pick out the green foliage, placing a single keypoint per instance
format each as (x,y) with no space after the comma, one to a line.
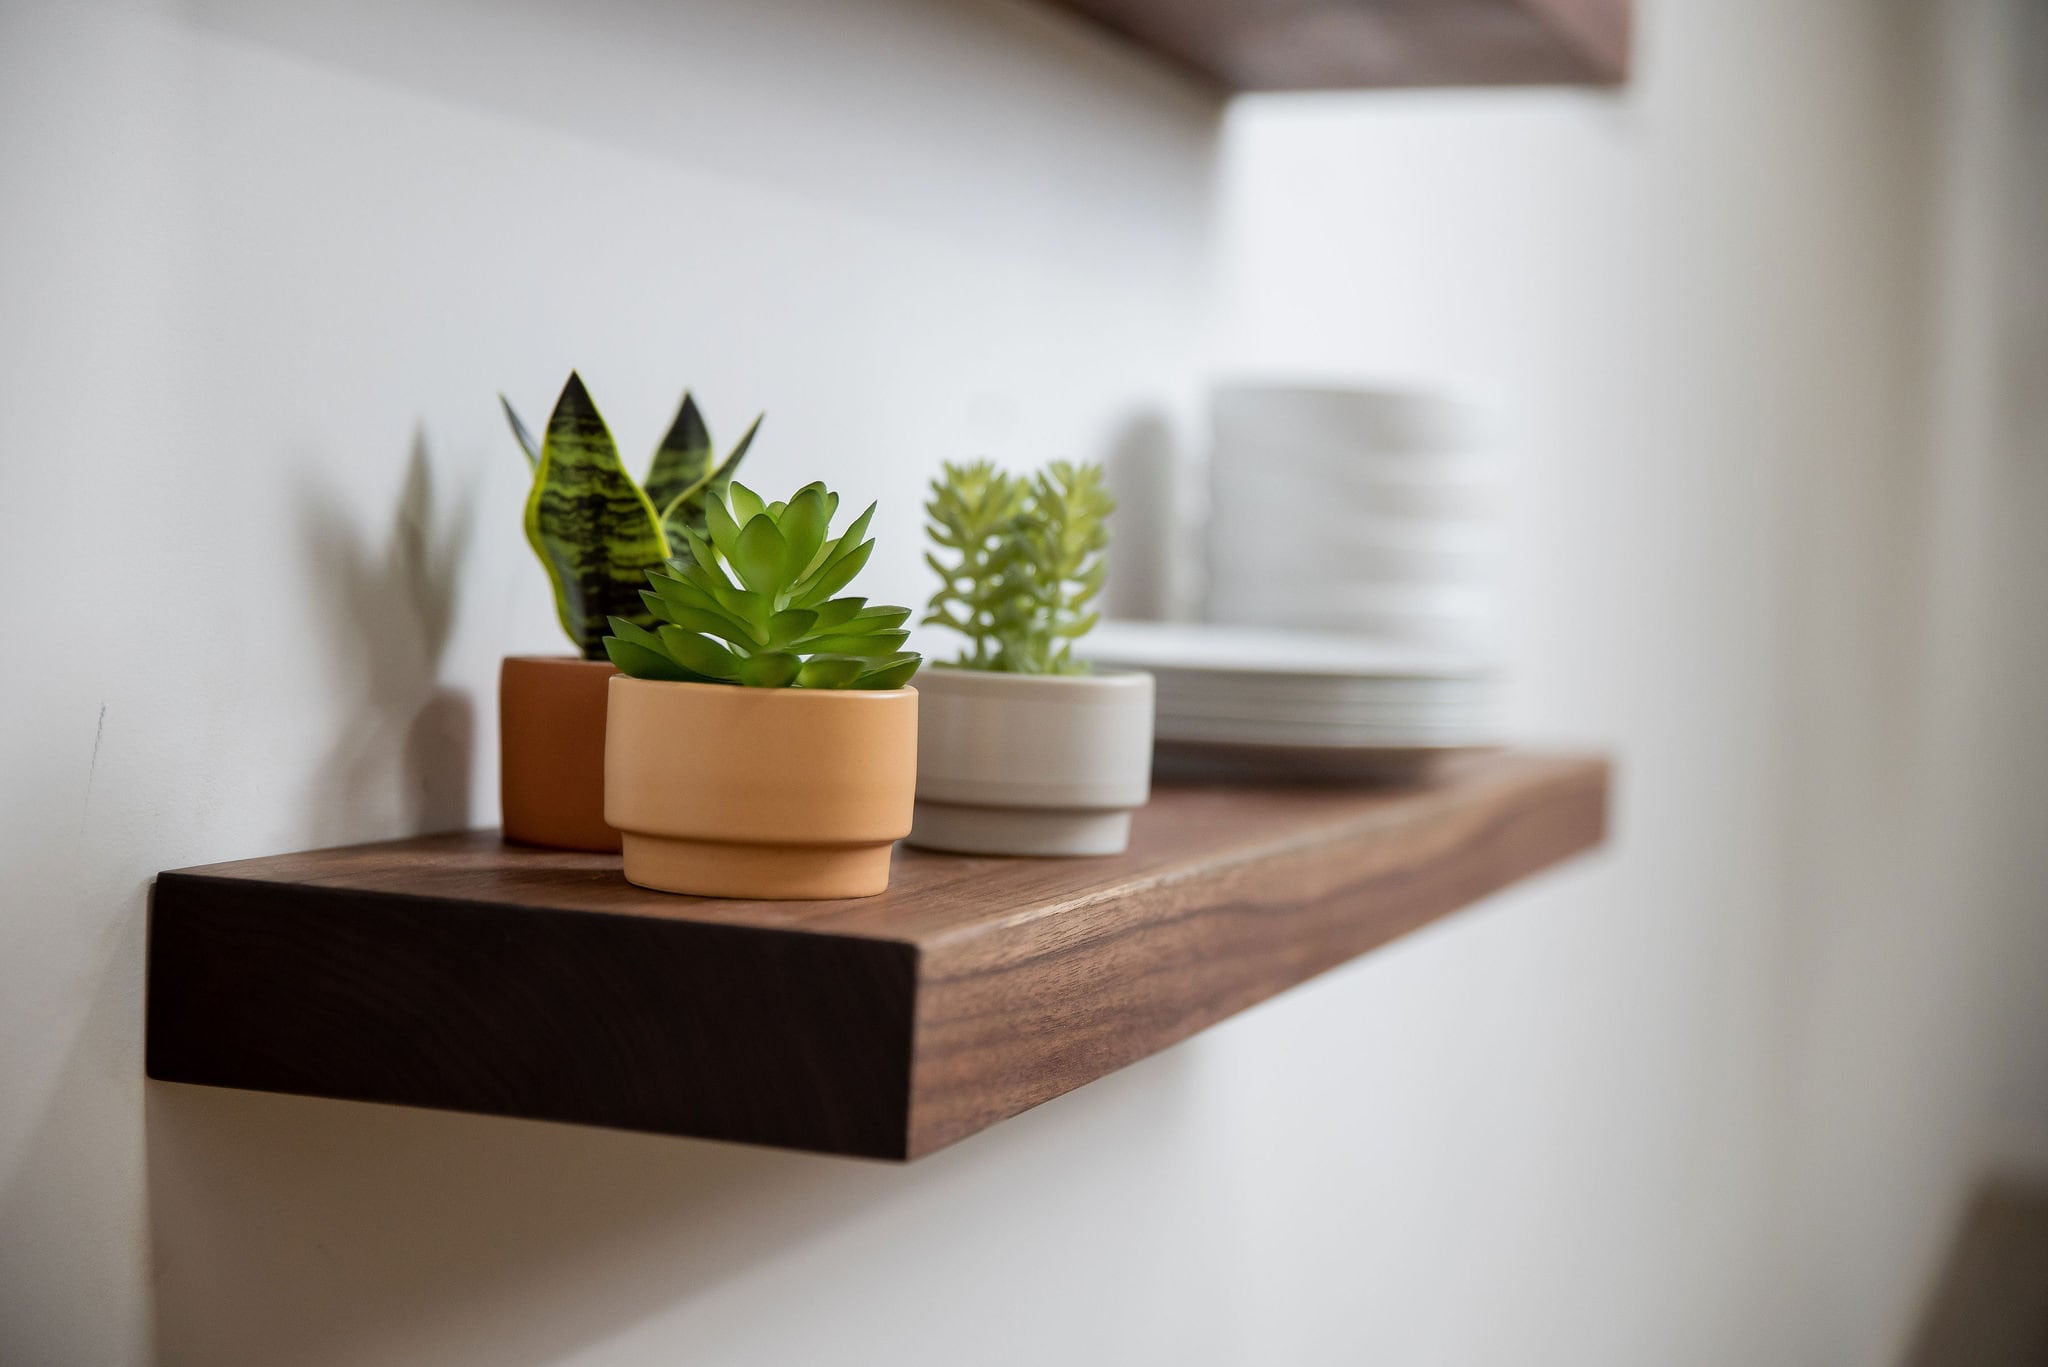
(1027,563)
(752,603)
(682,479)
(597,533)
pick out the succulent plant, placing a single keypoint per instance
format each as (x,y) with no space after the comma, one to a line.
(753,603)
(597,533)
(1027,563)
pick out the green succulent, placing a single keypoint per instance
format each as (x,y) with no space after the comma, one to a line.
(752,603)
(1027,563)
(597,533)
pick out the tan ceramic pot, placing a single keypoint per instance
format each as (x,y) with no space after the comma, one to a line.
(551,717)
(773,793)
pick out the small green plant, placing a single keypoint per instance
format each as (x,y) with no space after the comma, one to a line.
(752,603)
(597,533)
(1027,563)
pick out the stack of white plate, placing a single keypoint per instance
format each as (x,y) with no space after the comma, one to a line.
(1311,702)
(1355,510)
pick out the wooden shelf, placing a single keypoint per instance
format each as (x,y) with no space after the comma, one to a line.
(457,972)
(1353,44)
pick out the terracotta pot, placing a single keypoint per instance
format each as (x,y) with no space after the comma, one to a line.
(1044,764)
(551,716)
(772,793)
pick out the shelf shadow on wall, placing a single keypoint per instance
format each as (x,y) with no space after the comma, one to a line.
(322,1233)
(296,1230)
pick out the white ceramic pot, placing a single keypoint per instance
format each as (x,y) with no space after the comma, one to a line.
(1035,764)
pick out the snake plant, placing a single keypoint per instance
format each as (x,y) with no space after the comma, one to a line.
(752,603)
(597,533)
(1026,563)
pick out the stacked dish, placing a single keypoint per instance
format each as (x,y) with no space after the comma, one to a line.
(1372,507)
(1304,702)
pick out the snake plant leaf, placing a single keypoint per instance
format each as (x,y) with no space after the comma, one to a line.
(682,459)
(830,671)
(524,437)
(759,555)
(772,669)
(592,527)
(699,653)
(685,511)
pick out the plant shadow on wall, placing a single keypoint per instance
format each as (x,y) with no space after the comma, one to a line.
(401,762)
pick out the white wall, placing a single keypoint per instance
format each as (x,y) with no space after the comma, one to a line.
(1710,1098)
(1767,331)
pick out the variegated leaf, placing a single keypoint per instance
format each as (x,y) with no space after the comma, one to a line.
(593,529)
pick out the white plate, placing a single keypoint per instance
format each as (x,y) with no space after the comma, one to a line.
(1268,651)
(1259,686)
(1212,761)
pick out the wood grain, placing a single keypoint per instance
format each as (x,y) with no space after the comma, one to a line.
(459,972)
(1350,44)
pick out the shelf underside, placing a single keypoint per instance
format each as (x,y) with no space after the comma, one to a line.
(458,972)
(1245,45)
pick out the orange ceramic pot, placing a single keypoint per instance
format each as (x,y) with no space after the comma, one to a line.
(551,716)
(773,793)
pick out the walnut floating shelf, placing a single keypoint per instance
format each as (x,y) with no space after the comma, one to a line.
(1350,44)
(457,972)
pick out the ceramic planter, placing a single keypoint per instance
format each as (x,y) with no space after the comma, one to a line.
(551,718)
(775,793)
(1031,763)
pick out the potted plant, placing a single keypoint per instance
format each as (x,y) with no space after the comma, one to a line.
(1022,748)
(597,534)
(762,738)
